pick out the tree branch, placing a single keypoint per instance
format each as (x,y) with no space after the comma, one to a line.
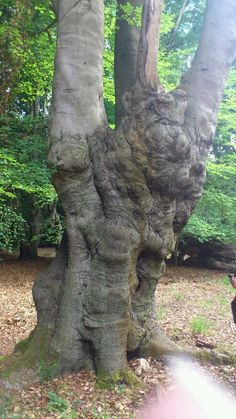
(205,81)
(176,28)
(77,107)
(148,45)
(44,29)
(126,53)
(136,50)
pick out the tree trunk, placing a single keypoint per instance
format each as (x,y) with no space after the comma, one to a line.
(33,216)
(28,251)
(175,253)
(211,255)
(125,193)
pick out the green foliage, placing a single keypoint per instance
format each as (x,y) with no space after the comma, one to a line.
(214,218)
(179,295)
(178,44)
(52,230)
(161,311)
(55,403)
(47,371)
(27,38)
(132,14)
(11,227)
(225,138)
(24,177)
(5,403)
(200,325)
(23,142)
(225,282)
(101,415)
(108,60)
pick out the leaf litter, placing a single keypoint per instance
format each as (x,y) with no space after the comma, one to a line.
(183,294)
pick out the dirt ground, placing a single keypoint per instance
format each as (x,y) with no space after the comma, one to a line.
(193,308)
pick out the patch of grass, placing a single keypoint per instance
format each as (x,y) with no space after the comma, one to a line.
(225,282)
(70,415)
(101,415)
(55,403)
(207,303)
(224,301)
(4,404)
(200,325)
(224,306)
(120,389)
(161,312)
(2,358)
(47,371)
(224,311)
(91,412)
(179,295)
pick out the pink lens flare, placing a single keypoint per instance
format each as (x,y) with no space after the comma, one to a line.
(195,396)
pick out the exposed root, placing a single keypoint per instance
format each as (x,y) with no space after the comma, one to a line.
(213,357)
(157,345)
(162,346)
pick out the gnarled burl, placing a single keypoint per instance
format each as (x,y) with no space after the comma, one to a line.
(126,193)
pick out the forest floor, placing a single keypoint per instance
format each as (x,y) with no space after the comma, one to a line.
(193,308)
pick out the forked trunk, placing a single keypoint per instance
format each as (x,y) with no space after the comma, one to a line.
(125,193)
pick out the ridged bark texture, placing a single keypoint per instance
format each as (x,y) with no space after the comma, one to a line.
(127,193)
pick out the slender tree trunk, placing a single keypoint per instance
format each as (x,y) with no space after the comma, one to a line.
(178,21)
(175,254)
(33,215)
(125,193)
(28,251)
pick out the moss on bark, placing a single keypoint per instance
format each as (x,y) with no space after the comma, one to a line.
(124,376)
(215,358)
(25,363)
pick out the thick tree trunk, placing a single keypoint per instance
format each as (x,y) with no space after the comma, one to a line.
(125,194)
(118,232)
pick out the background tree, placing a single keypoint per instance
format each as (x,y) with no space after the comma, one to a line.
(27,39)
(127,193)
(211,229)
(26,195)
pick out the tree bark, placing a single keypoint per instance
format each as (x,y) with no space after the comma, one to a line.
(178,21)
(33,216)
(125,193)
(125,58)
(136,48)
(28,251)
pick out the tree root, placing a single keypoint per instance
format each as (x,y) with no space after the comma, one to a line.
(213,357)
(157,349)
(30,361)
(157,344)
(34,360)
(160,346)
